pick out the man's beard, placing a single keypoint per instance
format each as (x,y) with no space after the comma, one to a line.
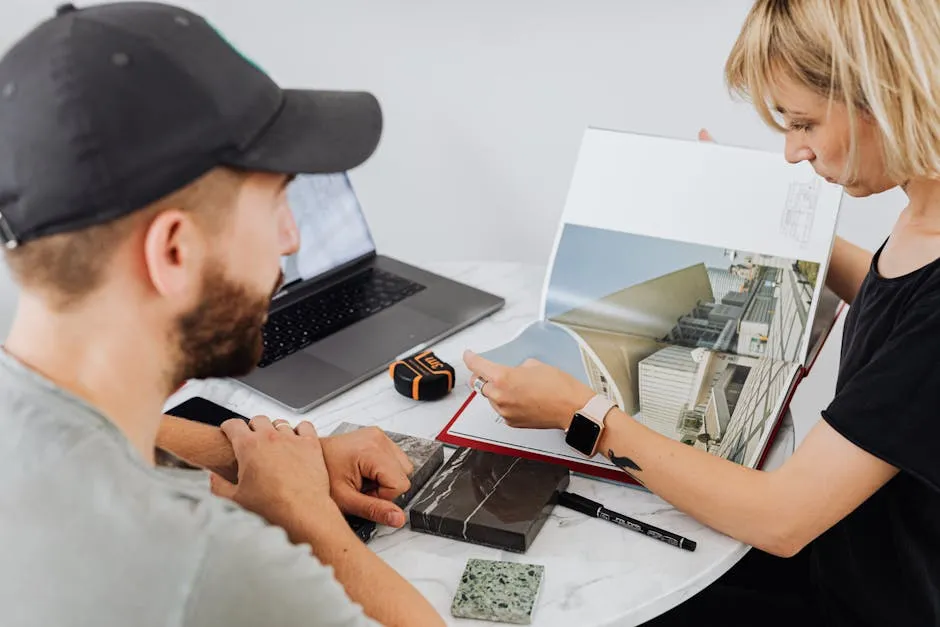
(221,337)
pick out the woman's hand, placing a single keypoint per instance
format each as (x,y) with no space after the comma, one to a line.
(533,395)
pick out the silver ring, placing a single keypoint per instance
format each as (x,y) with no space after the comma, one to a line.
(478,384)
(281,422)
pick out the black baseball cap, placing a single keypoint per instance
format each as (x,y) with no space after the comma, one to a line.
(108,108)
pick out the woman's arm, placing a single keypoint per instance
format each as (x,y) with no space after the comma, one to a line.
(199,444)
(778,511)
(847,269)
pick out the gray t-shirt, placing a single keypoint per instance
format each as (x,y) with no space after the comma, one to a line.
(91,535)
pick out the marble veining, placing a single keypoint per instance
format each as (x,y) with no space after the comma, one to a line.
(434,493)
(486,498)
(489,499)
(597,574)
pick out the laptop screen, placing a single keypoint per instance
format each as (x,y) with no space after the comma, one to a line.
(333,230)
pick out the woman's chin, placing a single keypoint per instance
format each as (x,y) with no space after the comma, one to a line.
(856,191)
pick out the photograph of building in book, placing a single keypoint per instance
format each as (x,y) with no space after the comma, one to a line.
(701,352)
(718,402)
(681,293)
(759,306)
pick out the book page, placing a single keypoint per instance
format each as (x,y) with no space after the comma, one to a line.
(558,346)
(684,294)
(827,311)
(721,403)
(648,218)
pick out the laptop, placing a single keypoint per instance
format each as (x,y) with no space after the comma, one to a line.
(345,312)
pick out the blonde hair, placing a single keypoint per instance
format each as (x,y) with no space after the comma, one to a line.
(880,58)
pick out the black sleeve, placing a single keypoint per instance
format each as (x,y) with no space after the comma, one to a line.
(890,406)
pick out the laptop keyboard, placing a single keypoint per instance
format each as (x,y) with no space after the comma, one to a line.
(320,315)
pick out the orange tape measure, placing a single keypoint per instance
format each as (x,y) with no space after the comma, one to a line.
(422,377)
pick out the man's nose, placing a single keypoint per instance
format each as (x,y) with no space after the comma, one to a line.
(288,233)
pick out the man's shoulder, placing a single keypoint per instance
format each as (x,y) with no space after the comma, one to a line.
(104,542)
(101,537)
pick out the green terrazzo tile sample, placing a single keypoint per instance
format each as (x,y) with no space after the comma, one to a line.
(498,591)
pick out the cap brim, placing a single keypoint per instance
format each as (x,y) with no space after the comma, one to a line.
(316,132)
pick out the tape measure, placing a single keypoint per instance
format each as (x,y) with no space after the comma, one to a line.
(422,377)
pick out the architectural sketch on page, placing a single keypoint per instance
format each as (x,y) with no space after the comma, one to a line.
(796,221)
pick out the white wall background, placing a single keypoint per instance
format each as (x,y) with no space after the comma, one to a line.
(485,103)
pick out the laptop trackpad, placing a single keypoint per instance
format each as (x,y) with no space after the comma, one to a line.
(378,340)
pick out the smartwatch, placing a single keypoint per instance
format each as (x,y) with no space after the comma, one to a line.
(584,432)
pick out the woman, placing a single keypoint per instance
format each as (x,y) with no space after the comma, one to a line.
(855,87)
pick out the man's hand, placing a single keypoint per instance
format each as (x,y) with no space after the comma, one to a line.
(282,477)
(367,454)
(351,458)
(280,470)
(533,395)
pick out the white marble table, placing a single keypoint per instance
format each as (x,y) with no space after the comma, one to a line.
(595,572)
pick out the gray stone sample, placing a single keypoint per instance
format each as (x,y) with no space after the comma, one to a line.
(498,591)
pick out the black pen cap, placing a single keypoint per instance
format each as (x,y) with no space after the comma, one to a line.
(579,503)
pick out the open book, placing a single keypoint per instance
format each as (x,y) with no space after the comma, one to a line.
(686,284)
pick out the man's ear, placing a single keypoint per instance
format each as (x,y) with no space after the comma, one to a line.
(174,253)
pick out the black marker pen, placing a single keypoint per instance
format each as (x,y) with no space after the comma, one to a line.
(595,509)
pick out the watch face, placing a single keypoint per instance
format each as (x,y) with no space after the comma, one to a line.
(582,434)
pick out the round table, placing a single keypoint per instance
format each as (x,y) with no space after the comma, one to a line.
(595,572)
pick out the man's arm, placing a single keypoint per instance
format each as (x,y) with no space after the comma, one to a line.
(778,511)
(383,593)
(282,477)
(847,269)
(251,573)
(364,453)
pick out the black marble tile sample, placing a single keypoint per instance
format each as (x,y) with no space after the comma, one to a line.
(426,455)
(485,498)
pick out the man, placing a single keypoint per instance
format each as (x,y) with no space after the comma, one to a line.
(142,171)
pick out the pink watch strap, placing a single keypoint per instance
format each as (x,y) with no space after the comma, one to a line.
(597,408)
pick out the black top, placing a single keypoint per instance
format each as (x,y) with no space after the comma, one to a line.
(881,564)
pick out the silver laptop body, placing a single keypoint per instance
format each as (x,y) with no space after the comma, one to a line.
(345,312)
